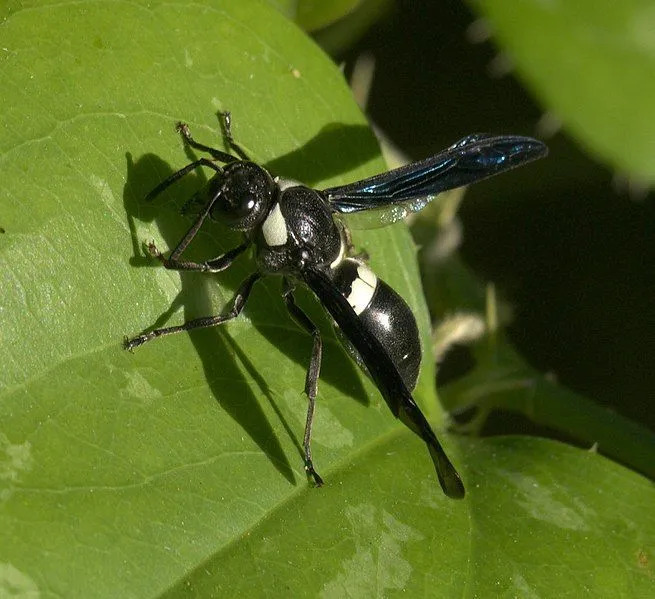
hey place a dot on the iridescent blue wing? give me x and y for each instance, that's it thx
(471, 159)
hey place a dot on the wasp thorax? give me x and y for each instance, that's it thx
(244, 193)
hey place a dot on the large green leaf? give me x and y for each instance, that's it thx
(534, 527)
(314, 14)
(130, 475)
(147, 463)
(591, 63)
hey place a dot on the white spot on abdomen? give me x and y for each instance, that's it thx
(362, 289)
(275, 227)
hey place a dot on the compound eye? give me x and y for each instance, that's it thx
(244, 205)
(243, 196)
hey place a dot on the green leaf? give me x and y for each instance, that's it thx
(315, 14)
(123, 474)
(591, 64)
(288, 8)
(334, 24)
(339, 32)
(146, 464)
(533, 526)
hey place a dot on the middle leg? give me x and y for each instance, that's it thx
(217, 264)
(240, 300)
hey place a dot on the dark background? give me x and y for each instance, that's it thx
(572, 253)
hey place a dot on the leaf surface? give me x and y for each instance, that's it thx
(124, 475)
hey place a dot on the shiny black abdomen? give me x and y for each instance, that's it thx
(389, 318)
(382, 312)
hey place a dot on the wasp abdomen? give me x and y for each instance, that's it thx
(382, 312)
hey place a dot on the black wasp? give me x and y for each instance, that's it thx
(297, 232)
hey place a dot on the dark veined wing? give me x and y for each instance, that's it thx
(471, 159)
(385, 375)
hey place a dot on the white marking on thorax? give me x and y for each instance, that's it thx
(274, 227)
(362, 289)
(340, 257)
(283, 183)
(343, 246)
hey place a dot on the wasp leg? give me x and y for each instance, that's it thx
(172, 261)
(350, 247)
(239, 302)
(183, 128)
(179, 174)
(311, 380)
(218, 264)
(196, 198)
(226, 123)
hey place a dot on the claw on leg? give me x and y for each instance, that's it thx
(311, 473)
(153, 251)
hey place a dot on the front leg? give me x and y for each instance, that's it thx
(219, 155)
(350, 251)
(217, 264)
(226, 122)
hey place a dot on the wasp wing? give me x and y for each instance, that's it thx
(385, 375)
(405, 189)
